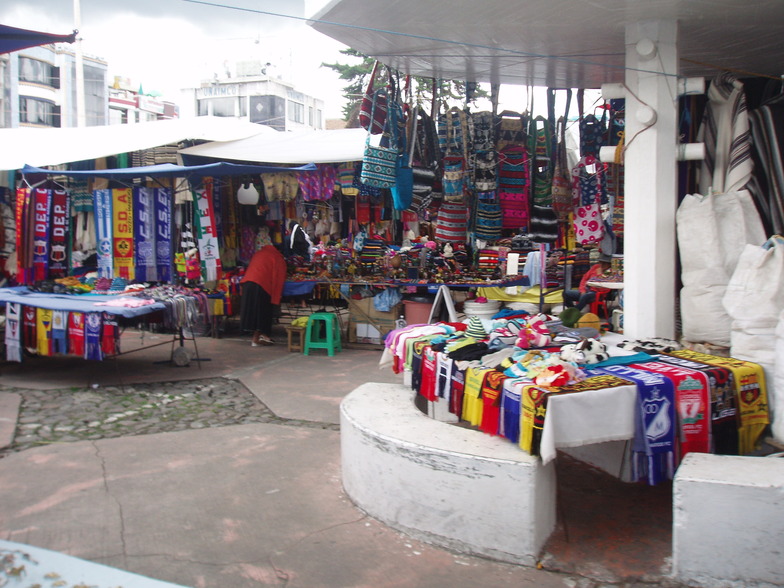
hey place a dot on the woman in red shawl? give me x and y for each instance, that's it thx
(262, 287)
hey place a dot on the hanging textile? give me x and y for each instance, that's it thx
(60, 331)
(209, 252)
(103, 230)
(726, 133)
(163, 234)
(22, 198)
(29, 335)
(122, 227)
(13, 331)
(43, 331)
(544, 224)
(76, 333)
(514, 178)
(58, 255)
(92, 336)
(767, 187)
(144, 234)
(42, 205)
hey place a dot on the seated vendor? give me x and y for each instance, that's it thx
(585, 295)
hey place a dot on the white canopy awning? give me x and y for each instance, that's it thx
(291, 147)
(46, 147)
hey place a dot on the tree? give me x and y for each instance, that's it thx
(358, 76)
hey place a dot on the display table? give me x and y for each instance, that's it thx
(607, 285)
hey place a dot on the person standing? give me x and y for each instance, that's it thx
(262, 288)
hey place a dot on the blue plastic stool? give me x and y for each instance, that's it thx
(328, 322)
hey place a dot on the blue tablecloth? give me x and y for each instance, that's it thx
(76, 302)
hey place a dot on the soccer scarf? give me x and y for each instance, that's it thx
(110, 334)
(76, 333)
(58, 254)
(457, 390)
(750, 391)
(653, 450)
(29, 337)
(444, 377)
(209, 253)
(510, 409)
(103, 231)
(491, 399)
(42, 205)
(692, 403)
(532, 415)
(22, 198)
(144, 234)
(472, 401)
(427, 384)
(122, 235)
(92, 336)
(163, 234)
(723, 405)
(59, 331)
(13, 331)
(43, 330)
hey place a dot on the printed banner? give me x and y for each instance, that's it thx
(103, 231)
(42, 204)
(144, 234)
(163, 234)
(122, 236)
(58, 255)
(22, 197)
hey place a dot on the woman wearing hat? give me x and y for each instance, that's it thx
(584, 296)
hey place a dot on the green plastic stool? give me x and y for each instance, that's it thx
(331, 329)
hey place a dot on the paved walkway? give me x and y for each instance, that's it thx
(222, 476)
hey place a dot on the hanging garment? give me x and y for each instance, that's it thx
(144, 234)
(767, 129)
(209, 251)
(543, 226)
(13, 331)
(163, 234)
(76, 334)
(92, 336)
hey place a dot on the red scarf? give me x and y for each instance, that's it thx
(58, 266)
(76, 333)
(42, 203)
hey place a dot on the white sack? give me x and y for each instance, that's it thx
(776, 386)
(755, 292)
(703, 317)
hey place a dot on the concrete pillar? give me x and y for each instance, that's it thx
(650, 179)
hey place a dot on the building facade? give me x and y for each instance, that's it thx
(130, 106)
(39, 88)
(258, 97)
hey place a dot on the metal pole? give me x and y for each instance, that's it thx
(81, 112)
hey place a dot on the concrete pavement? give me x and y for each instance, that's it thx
(229, 507)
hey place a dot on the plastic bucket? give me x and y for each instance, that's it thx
(485, 310)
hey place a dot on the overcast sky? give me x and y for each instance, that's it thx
(166, 45)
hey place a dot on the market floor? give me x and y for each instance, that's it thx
(261, 503)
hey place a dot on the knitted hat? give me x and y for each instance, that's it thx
(476, 329)
(570, 316)
(589, 320)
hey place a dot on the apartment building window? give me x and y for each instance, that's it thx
(296, 112)
(38, 72)
(36, 111)
(310, 116)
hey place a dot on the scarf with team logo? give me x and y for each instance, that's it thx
(723, 406)
(492, 389)
(207, 236)
(144, 234)
(110, 334)
(122, 233)
(532, 414)
(29, 336)
(76, 333)
(103, 231)
(42, 205)
(692, 403)
(473, 407)
(750, 391)
(59, 331)
(653, 450)
(20, 213)
(92, 336)
(163, 234)
(43, 330)
(58, 254)
(13, 331)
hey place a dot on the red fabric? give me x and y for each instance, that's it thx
(594, 271)
(267, 268)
